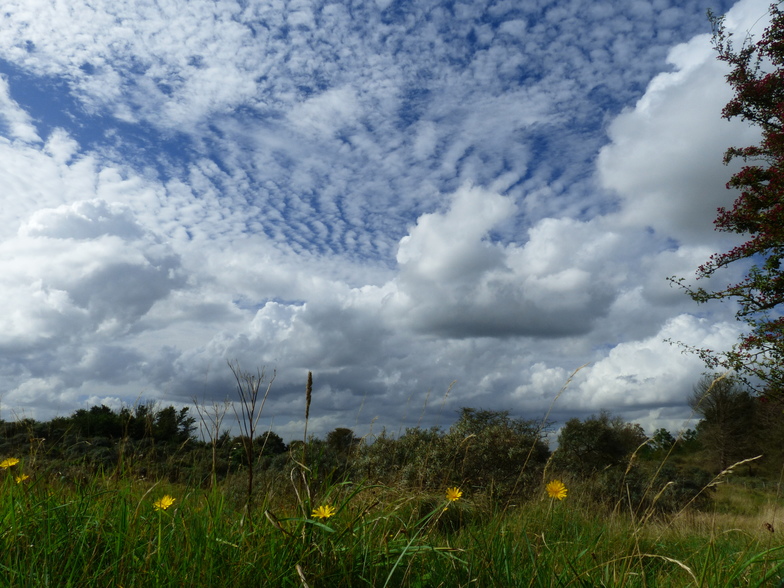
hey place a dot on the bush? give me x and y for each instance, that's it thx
(599, 442)
(486, 451)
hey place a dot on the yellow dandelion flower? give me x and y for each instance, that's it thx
(164, 502)
(556, 489)
(323, 512)
(8, 462)
(453, 494)
(21, 478)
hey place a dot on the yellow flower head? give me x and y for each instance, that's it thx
(323, 512)
(453, 494)
(164, 502)
(21, 478)
(8, 462)
(556, 489)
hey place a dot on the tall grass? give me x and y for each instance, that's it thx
(108, 532)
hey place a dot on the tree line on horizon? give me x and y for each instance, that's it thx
(488, 452)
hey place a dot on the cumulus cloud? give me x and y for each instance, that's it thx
(77, 276)
(649, 377)
(455, 281)
(83, 221)
(664, 158)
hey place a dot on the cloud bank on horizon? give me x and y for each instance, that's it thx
(395, 195)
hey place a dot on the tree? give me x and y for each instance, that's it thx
(173, 426)
(251, 402)
(769, 416)
(492, 451)
(757, 78)
(342, 441)
(661, 441)
(99, 421)
(186, 425)
(139, 424)
(165, 426)
(270, 443)
(728, 423)
(599, 442)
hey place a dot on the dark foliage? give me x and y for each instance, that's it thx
(727, 430)
(595, 444)
(486, 451)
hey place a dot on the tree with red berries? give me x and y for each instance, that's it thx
(757, 78)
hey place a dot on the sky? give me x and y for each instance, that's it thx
(428, 204)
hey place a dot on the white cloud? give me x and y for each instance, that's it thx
(327, 113)
(651, 372)
(455, 281)
(664, 159)
(61, 147)
(449, 246)
(81, 270)
(83, 220)
(19, 123)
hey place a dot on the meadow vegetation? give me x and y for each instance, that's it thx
(133, 498)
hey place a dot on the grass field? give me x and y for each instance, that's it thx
(117, 531)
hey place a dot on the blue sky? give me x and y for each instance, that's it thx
(394, 195)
